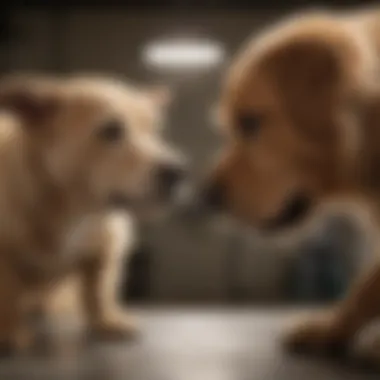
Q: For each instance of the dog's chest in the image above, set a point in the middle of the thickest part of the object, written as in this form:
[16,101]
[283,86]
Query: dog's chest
[81,238]
[75,242]
[43,261]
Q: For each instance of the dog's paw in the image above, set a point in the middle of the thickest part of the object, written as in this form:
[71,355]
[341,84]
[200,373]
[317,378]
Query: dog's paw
[315,337]
[115,328]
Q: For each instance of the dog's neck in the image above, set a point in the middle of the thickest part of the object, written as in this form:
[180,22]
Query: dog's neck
[40,208]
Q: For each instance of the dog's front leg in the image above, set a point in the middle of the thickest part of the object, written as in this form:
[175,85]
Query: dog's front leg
[99,292]
[331,333]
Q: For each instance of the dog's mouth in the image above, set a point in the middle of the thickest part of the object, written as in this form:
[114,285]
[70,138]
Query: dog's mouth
[120,201]
[294,211]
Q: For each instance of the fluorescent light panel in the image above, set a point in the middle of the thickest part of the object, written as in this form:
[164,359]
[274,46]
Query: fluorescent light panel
[183,54]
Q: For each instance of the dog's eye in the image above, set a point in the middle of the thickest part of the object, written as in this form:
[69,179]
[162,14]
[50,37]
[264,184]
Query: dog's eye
[248,124]
[111,131]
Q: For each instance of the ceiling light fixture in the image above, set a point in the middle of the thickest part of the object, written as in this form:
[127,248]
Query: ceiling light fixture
[183,54]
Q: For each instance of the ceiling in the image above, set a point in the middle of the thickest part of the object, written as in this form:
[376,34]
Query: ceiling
[186,4]
[8,29]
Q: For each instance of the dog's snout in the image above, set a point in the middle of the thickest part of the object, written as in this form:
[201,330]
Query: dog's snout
[295,209]
[170,176]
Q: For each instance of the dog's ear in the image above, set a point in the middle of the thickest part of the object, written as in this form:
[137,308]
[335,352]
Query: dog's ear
[308,64]
[32,100]
[310,75]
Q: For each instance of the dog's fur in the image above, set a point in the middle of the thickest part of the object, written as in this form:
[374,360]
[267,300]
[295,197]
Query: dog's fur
[308,91]
[67,145]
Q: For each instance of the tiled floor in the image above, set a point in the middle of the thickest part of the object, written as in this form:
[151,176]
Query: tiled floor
[179,344]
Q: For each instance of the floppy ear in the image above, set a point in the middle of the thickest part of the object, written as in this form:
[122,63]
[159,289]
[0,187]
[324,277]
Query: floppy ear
[33,101]
[310,76]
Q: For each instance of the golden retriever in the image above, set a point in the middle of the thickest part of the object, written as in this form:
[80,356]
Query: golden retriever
[300,109]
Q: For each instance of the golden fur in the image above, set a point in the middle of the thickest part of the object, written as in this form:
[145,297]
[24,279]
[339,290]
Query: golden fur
[57,173]
[313,84]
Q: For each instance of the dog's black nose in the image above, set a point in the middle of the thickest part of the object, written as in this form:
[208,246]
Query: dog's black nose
[294,210]
[170,176]
[213,196]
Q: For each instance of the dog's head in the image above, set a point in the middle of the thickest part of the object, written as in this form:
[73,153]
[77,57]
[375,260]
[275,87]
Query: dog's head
[97,137]
[288,111]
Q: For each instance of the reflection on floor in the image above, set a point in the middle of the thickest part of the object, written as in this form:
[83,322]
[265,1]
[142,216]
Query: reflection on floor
[182,344]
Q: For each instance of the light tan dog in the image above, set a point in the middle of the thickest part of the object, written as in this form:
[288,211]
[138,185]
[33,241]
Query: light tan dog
[74,153]
[301,112]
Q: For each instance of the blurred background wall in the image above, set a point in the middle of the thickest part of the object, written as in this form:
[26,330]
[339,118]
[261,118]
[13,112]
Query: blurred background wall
[175,262]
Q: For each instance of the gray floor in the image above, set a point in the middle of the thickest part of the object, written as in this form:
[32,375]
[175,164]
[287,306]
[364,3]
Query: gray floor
[187,344]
